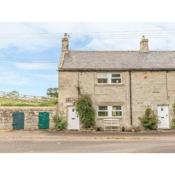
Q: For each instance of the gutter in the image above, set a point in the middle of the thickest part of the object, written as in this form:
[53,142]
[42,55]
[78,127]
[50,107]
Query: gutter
[122,70]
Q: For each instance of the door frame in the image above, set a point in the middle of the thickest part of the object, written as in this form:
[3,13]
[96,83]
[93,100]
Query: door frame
[68,119]
[167,105]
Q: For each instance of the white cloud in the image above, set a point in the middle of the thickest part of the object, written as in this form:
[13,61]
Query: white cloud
[25,36]
[118,36]
[126,36]
[111,36]
[48,77]
[35,66]
[13,78]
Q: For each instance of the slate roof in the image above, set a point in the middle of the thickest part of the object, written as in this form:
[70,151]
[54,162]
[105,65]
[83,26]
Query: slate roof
[119,60]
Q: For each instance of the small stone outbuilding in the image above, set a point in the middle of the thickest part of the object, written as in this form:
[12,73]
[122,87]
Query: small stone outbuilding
[28,118]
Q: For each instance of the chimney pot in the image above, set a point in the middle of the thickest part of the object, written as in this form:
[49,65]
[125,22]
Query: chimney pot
[65,43]
[144,44]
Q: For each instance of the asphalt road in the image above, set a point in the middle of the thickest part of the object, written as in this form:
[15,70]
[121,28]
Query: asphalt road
[44,142]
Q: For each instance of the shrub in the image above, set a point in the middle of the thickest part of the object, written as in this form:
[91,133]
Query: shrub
[85,111]
[149,119]
[173,123]
[59,123]
[173,119]
[174,109]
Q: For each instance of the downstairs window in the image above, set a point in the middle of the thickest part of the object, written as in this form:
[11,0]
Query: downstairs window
[110,111]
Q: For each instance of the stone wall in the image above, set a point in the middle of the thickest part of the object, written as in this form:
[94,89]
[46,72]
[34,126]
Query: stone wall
[30,116]
[149,88]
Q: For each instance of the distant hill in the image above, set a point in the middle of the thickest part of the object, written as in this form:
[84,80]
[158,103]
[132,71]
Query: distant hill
[18,102]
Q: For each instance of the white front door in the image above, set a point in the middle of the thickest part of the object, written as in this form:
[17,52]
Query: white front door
[163,117]
[73,119]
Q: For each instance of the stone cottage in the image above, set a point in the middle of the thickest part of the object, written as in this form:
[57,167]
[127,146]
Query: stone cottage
[121,84]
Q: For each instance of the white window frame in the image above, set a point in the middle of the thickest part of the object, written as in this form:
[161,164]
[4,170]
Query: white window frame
[102,111]
[117,110]
[109,110]
[116,78]
[102,76]
[109,78]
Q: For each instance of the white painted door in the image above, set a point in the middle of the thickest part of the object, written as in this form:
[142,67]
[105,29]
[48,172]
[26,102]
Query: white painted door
[163,117]
[73,119]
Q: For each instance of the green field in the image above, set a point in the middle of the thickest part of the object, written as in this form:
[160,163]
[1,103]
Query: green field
[16,102]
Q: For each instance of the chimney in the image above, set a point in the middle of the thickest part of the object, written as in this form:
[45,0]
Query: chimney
[144,45]
[65,43]
[64,49]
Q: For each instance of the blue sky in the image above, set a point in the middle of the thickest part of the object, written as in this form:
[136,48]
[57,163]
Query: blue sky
[29,52]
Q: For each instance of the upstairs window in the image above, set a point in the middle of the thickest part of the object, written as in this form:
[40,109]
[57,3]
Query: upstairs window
[116,78]
[102,78]
[109,78]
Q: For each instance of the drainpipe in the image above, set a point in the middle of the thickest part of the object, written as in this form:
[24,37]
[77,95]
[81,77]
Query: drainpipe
[166,85]
[78,85]
[130,98]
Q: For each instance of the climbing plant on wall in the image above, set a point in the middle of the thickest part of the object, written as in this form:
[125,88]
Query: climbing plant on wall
[173,119]
[85,111]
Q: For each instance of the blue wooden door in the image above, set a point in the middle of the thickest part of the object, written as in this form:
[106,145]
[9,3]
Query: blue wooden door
[18,120]
[43,120]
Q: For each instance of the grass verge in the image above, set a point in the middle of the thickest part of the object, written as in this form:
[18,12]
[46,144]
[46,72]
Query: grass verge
[17,102]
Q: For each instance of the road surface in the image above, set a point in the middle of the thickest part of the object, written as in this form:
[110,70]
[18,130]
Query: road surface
[78,142]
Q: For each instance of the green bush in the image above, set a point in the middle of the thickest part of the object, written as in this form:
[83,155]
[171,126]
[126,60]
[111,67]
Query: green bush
[173,119]
[173,123]
[86,112]
[149,120]
[59,123]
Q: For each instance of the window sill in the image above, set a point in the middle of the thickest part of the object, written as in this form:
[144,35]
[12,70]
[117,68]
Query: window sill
[103,84]
[110,118]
